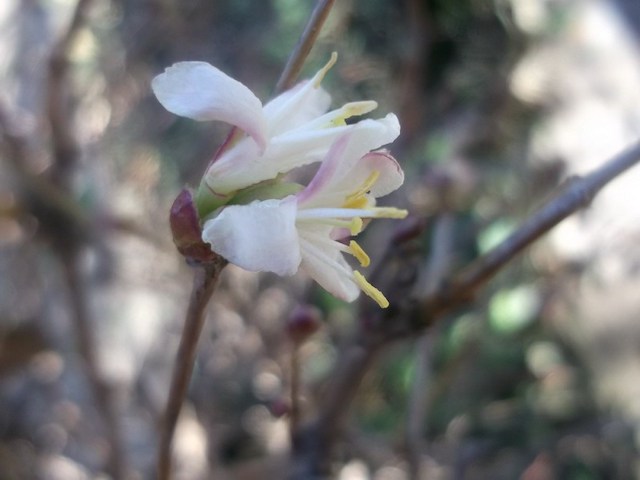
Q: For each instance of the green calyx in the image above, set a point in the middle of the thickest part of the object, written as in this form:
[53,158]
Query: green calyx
[207,201]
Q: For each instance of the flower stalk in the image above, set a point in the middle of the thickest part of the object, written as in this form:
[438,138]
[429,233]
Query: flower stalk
[205,281]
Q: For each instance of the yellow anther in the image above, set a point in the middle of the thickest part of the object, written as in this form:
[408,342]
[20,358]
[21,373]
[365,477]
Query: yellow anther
[339,121]
[352,109]
[357,251]
[317,79]
[370,290]
[357,199]
[366,185]
[357,203]
[355,226]
[389,212]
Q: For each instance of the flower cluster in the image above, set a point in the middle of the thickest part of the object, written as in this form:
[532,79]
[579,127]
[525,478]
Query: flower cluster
[259,221]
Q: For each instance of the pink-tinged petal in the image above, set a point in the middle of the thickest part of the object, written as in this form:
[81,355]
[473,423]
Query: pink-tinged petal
[370,135]
[327,266]
[200,91]
[327,171]
[391,174]
[259,237]
[342,169]
[243,165]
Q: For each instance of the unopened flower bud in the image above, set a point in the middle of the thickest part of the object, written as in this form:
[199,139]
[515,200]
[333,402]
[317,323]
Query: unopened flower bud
[303,322]
[279,407]
[187,234]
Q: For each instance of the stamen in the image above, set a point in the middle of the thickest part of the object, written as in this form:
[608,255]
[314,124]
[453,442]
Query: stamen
[317,79]
[357,251]
[335,213]
[389,212]
[359,202]
[348,110]
[370,290]
[365,187]
[352,109]
[356,226]
[309,249]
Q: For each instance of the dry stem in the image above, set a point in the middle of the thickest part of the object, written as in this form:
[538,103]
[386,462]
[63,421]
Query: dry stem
[314,442]
[204,283]
[305,43]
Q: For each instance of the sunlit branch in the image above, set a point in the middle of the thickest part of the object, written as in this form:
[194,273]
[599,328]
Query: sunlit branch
[577,193]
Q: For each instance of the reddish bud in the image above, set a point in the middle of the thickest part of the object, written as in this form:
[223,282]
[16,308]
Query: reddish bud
[187,234]
[303,322]
[279,407]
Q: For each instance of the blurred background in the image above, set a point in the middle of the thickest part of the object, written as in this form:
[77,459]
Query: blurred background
[500,102]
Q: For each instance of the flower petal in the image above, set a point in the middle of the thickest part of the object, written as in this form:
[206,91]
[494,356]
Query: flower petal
[391,176]
[350,161]
[260,236]
[295,107]
[300,104]
[326,266]
[242,165]
[200,91]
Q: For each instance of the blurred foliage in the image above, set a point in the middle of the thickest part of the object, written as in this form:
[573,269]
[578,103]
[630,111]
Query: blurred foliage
[506,391]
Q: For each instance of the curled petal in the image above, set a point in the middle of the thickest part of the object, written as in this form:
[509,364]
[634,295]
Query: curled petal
[370,135]
[350,161]
[200,91]
[259,237]
[391,174]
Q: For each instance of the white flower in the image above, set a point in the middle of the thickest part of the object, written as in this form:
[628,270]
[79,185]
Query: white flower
[305,230]
[289,131]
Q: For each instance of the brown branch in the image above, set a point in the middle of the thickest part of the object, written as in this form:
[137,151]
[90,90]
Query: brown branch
[206,278]
[305,43]
[205,281]
[311,451]
[314,442]
[46,200]
[437,269]
[69,231]
[577,194]
[66,150]
[86,344]
[294,414]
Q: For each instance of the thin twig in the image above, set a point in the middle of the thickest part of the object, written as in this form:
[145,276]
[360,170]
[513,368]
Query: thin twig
[305,43]
[577,194]
[438,266]
[65,145]
[86,343]
[312,450]
[66,230]
[294,415]
[205,280]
